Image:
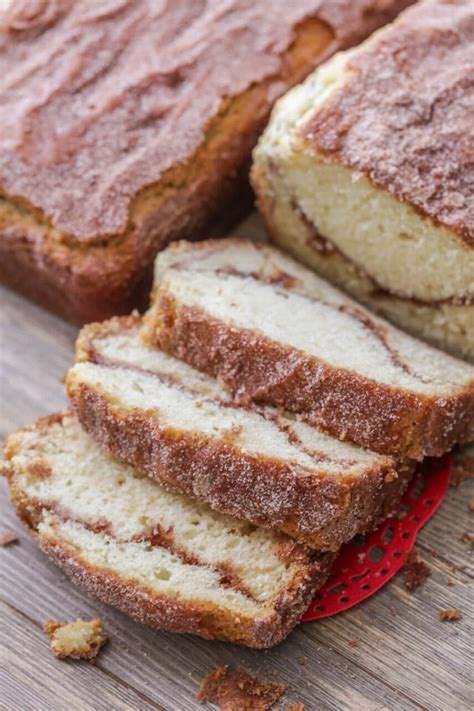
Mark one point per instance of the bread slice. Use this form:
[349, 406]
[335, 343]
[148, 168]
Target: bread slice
[182, 429]
[277, 333]
[165, 560]
[365, 173]
[120, 131]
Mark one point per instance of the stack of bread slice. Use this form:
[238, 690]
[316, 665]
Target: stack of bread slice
[219, 451]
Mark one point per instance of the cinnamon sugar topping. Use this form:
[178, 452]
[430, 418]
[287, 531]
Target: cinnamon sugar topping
[405, 113]
[235, 689]
[95, 94]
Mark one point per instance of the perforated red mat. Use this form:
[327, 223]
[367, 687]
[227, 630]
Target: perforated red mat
[368, 562]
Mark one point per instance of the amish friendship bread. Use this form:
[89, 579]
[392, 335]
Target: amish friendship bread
[120, 131]
[365, 173]
[276, 333]
[165, 560]
[181, 428]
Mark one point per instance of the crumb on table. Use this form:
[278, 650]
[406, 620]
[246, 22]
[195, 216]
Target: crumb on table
[468, 538]
[415, 571]
[449, 615]
[7, 538]
[81, 639]
[235, 689]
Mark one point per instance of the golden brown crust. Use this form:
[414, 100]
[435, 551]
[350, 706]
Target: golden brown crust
[374, 415]
[90, 283]
[204, 194]
[322, 514]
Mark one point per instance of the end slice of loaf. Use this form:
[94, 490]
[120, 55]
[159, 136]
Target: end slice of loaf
[277, 333]
[163, 559]
[182, 428]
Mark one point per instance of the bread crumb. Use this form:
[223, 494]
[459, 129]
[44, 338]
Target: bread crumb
[231, 690]
[295, 707]
[468, 538]
[81, 639]
[302, 660]
[471, 505]
[353, 643]
[415, 571]
[7, 538]
[451, 581]
[449, 615]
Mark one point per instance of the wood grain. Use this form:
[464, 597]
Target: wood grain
[46, 682]
[391, 652]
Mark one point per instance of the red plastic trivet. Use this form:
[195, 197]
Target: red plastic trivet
[368, 562]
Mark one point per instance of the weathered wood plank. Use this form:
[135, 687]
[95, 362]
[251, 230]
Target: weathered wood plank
[32, 679]
[442, 536]
[36, 349]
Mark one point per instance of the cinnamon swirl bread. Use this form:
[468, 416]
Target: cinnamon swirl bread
[277, 333]
[165, 560]
[366, 173]
[182, 429]
[125, 124]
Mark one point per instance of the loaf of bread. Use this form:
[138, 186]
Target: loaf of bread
[163, 559]
[366, 173]
[182, 429]
[276, 333]
[129, 123]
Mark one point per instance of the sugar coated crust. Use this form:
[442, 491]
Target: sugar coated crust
[145, 605]
[93, 181]
[322, 510]
[375, 415]
[405, 113]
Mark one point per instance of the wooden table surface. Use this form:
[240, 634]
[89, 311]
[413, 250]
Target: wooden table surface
[390, 652]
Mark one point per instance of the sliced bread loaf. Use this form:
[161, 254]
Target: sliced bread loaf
[276, 333]
[165, 560]
[182, 428]
[366, 173]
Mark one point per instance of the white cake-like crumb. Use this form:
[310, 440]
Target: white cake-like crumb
[82, 639]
